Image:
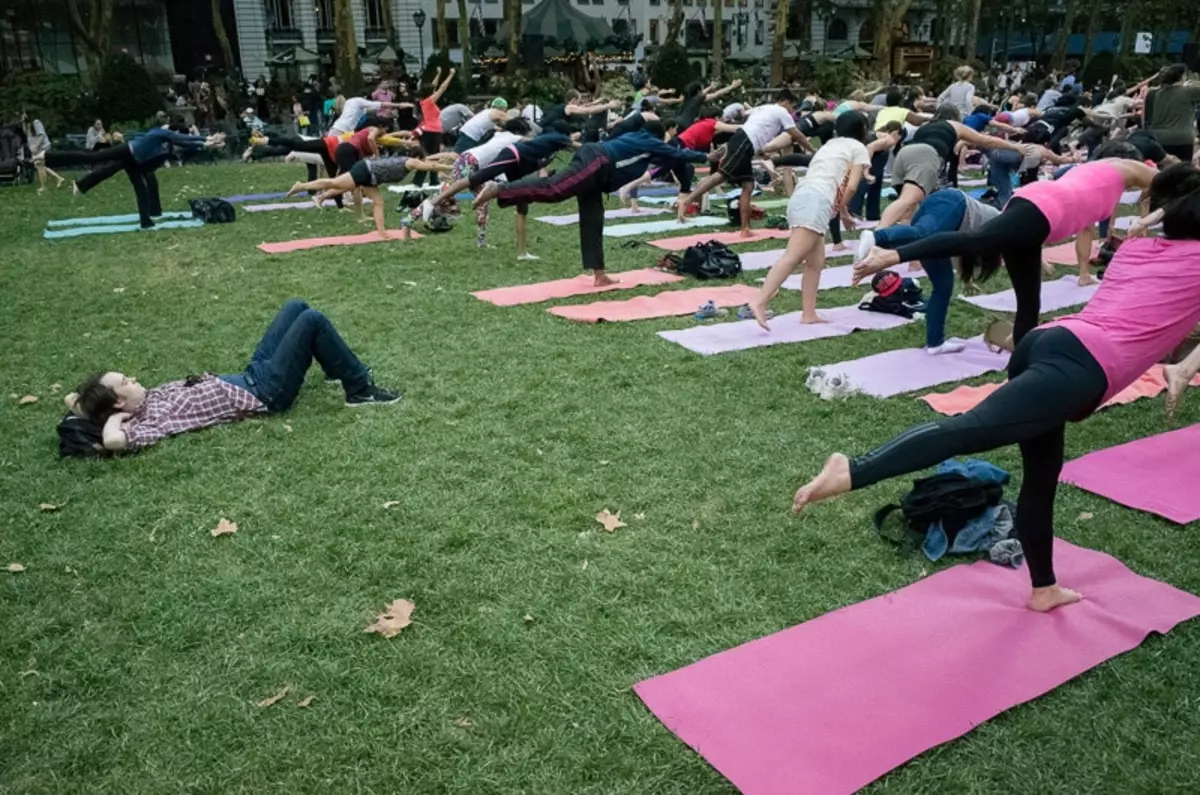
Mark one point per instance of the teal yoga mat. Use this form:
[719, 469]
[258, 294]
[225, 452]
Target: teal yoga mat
[103, 220]
[109, 229]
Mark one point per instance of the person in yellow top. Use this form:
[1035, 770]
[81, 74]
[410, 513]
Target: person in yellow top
[871, 191]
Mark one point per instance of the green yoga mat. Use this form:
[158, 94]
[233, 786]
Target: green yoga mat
[110, 229]
[103, 220]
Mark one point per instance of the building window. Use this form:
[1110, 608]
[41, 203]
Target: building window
[655, 2]
[374, 13]
[451, 34]
[837, 30]
[758, 33]
[279, 15]
[654, 31]
[324, 9]
[489, 26]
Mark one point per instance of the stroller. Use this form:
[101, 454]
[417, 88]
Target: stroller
[14, 163]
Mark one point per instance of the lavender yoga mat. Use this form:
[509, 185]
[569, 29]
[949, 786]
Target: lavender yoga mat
[746, 334]
[1125, 221]
[763, 260]
[294, 205]
[841, 276]
[832, 704]
[908, 369]
[1157, 474]
[609, 215]
[671, 225]
[1058, 294]
[255, 197]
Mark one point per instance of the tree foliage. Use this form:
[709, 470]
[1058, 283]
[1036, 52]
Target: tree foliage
[671, 68]
[126, 92]
[456, 91]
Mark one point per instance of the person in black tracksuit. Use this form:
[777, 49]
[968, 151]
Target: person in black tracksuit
[595, 170]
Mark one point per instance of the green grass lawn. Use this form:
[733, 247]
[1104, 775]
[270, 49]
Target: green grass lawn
[133, 647]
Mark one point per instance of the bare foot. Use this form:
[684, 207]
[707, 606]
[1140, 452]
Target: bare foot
[1177, 382]
[603, 280]
[914, 266]
[745, 234]
[489, 191]
[1043, 600]
[833, 480]
[634, 209]
[840, 246]
[759, 308]
[1086, 279]
[293, 191]
[1048, 268]
[809, 320]
[623, 195]
[61, 180]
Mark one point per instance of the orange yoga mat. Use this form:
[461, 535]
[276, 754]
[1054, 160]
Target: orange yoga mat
[728, 238]
[288, 246]
[579, 285]
[1150, 384]
[665, 304]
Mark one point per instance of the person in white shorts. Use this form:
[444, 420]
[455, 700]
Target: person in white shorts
[832, 178]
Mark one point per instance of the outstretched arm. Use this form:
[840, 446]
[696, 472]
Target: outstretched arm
[709, 96]
[437, 95]
[982, 141]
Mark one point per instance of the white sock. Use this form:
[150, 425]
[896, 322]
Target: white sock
[949, 346]
[866, 242]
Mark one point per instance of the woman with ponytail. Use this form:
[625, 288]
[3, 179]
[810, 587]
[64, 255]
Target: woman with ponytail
[1060, 373]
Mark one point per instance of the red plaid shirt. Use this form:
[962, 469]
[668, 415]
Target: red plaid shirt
[176, 407]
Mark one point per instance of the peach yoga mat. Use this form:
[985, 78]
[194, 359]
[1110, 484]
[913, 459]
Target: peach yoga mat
[664, 304]
[288, 246]
[564, 288]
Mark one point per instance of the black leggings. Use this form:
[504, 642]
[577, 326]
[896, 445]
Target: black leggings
[1017, 234]
[282, 144]
[431, 144]
[1053, 380]
[1182, 151]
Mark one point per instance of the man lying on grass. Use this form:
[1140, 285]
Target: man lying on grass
[133, 417]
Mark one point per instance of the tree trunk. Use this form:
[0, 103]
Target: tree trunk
[222, 35]
[1093, 28]
[972, 35]
[443, 42]
[1125, 45]
[718, 53]
[675, 23]
[464, 43]
[94, 32]
[941, 41]
[886, 16]
[346, 51]
[513, 16]
[389, 24]
[1059, 59]
[778, 41]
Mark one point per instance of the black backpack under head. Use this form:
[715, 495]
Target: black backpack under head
[79, 437]
[213, 211]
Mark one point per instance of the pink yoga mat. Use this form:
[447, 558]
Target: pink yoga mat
[579, 285]
[1057, 294]
[609, 215]
[909, 369]
[728, 238]
[288, 246]
[744, 334]
[832, 704]
[1064, 254]
[1157, 474]
[665, 304]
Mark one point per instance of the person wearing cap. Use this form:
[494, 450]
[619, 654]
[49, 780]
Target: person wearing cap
[473, 130]
[252, 121]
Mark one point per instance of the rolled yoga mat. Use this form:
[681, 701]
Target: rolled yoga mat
[909, 369]
[654, 227]
[832, 704]
[1057, 294]
[565, 288]
[112, 229]
[102, 220]
[745, 334]
[664, 304]
[1157, 474]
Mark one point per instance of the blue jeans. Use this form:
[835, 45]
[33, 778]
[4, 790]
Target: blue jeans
[1002, 164]
[942, 211]
[871, 192]
[297, 336]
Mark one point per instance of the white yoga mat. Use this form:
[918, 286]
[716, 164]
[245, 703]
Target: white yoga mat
[609, 215]
[841, 275]
[745, 334]
[653, 227]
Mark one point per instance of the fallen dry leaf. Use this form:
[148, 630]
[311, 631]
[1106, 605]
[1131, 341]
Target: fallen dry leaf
[585, 564]
[25, 401]
[604, 463]
[287, 427]
[611, 521]
[1083, 517]
[275, 699]
[224, 528]
[54, 388]
[47, 506]
[24, 674]
[695, 524]
[118, 289]
[391, 503]
[639, 516]
[15, 568]
[464, 722]
[305, 702]
[397, 616]
[528, 619]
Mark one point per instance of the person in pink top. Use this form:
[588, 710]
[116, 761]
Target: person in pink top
[1038, 214]
[430, 129]
[1060, 373]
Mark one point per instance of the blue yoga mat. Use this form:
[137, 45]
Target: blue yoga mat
[101, 220]
[79, 231]
[657, 190]
[255, 197]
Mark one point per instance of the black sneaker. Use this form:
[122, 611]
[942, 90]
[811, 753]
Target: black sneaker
[373, 396]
